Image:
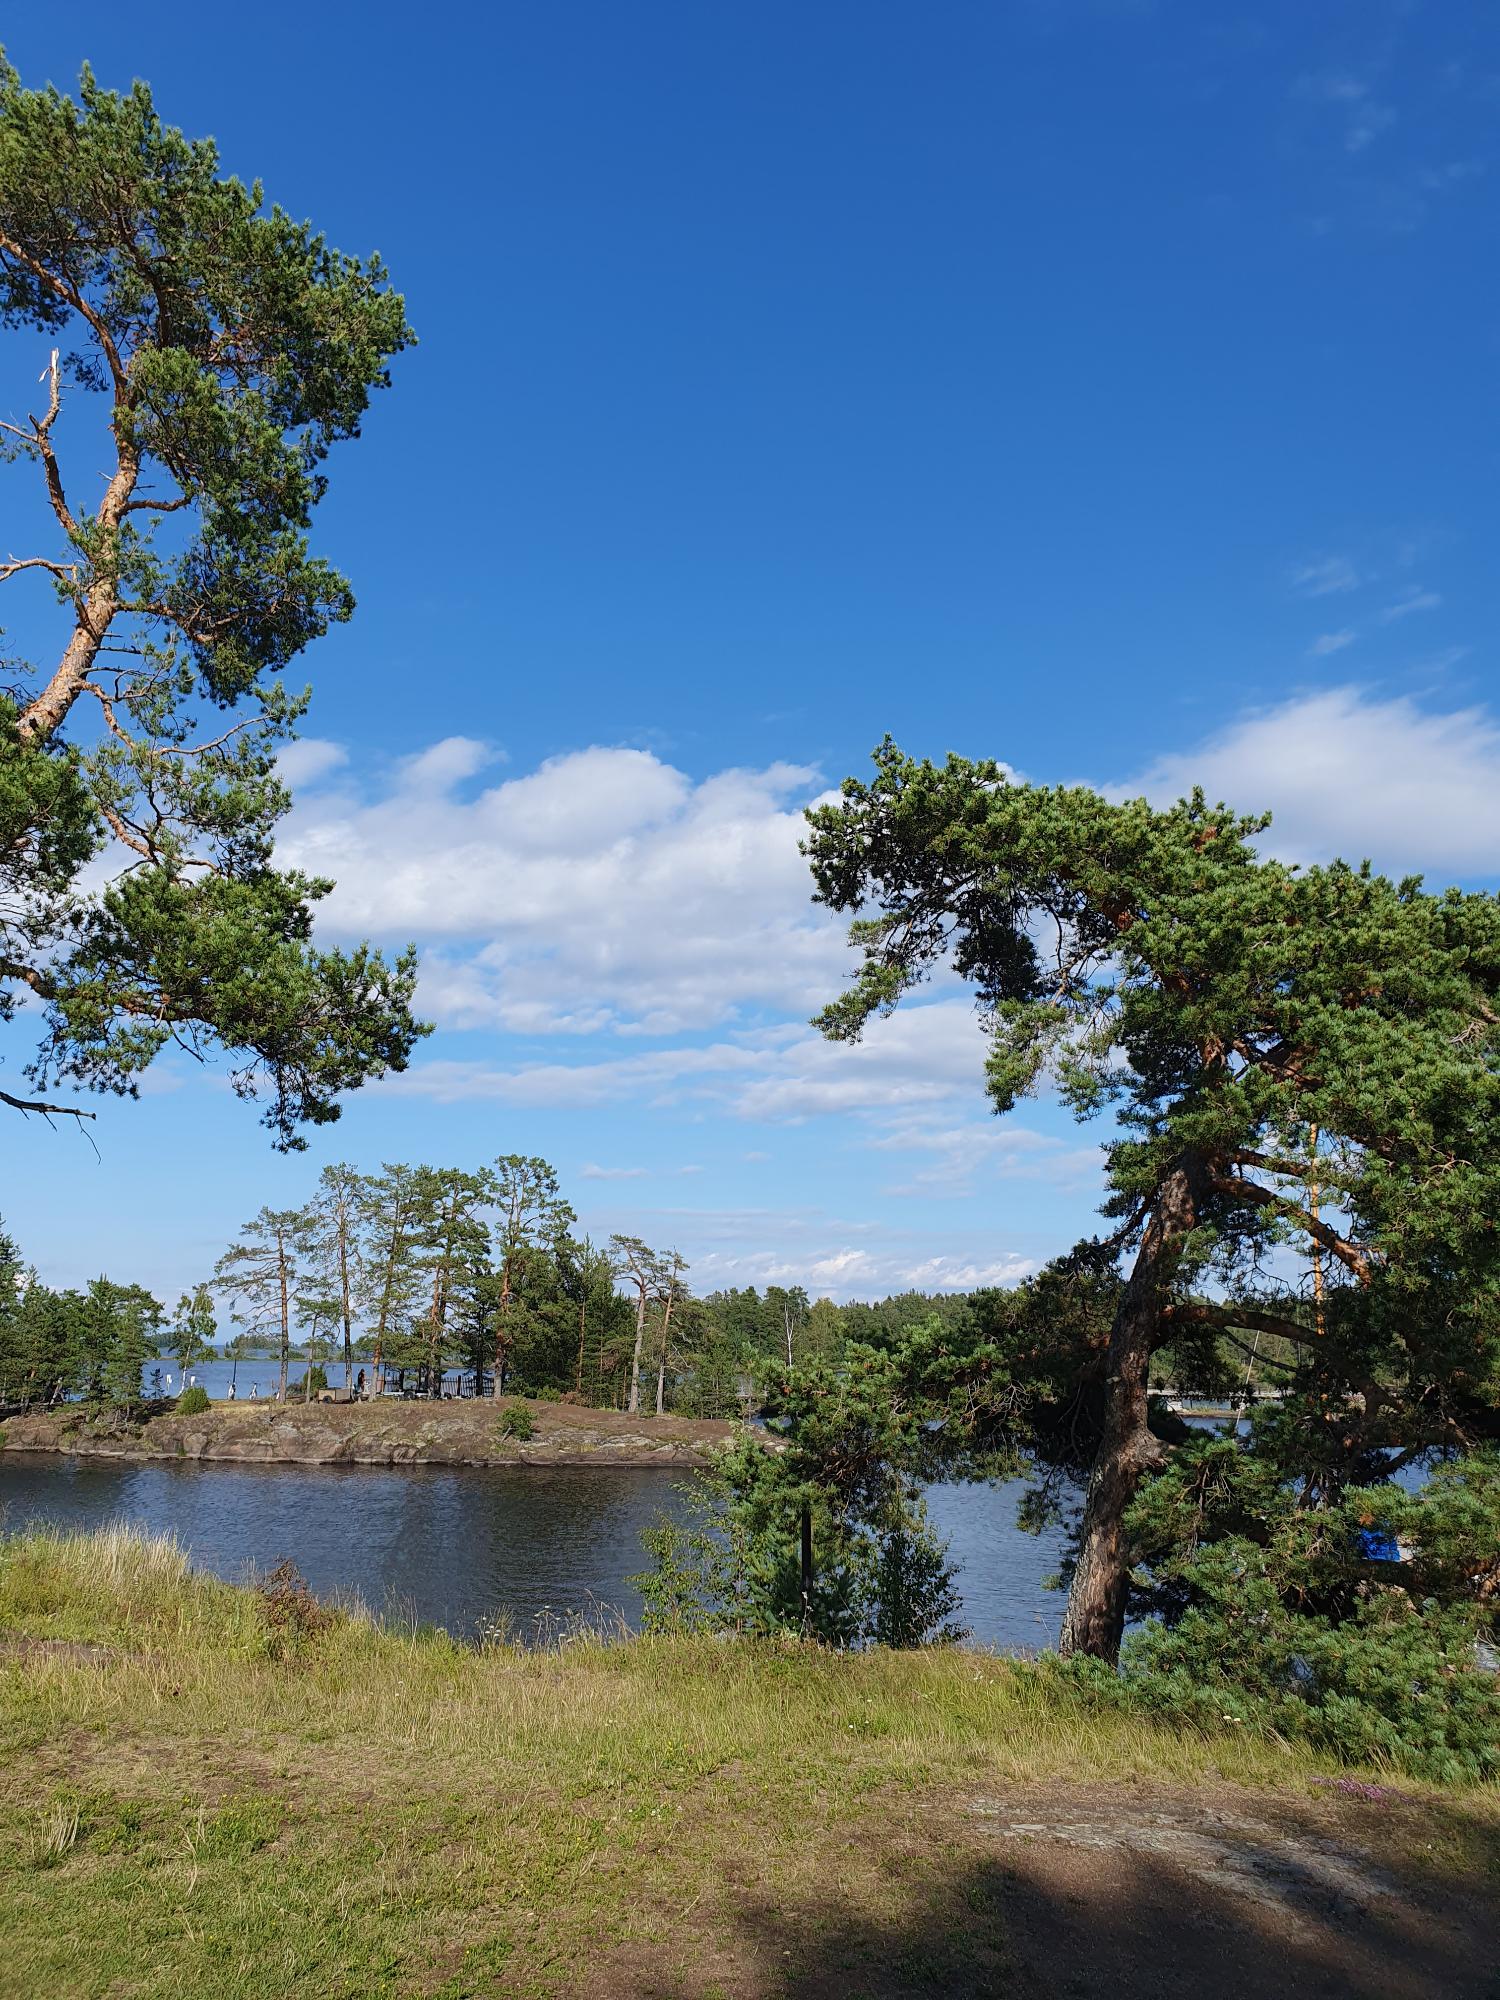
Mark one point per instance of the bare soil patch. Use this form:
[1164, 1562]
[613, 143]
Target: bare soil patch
[1069, 1893]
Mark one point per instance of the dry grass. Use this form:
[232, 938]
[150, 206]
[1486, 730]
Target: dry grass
[229, 1807]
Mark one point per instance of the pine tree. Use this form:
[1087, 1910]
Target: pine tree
[227, 350]
[262, 1274]
[390, 1219]
[1300, 1061]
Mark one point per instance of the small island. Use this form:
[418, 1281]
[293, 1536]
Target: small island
[386, 1432]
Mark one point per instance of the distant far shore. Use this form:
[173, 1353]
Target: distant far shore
[376, 1433]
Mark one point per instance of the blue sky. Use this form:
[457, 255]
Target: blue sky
[1109, 388]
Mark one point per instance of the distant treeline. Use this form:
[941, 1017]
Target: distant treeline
[436, 1275]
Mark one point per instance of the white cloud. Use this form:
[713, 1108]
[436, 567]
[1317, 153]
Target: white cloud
[831, 1255]
[661, 1076]
[920, 1056]
[1324, 576]
[445, 764]
[1331, 642]
[1347, 773]
[307, 761]
[845, 1271]
[1415, 599]
[607, 893]
[917, 1056]
[958, 1274]
[592, 1173]
[605, 890]
[1366, 125]
[960, 1157]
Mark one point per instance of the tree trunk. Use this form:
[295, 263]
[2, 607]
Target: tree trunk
[1095, 1617]
[46, 713]
[437, 1319]
[635, 1360]
[582, 1333]
[502, 1349]
[43, 715]
[286, 1330]
[661, 1359]
[348, 1317]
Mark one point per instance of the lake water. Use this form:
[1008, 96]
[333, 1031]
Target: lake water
[458, 1545]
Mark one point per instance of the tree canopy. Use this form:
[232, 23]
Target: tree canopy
[215, 351]
[1302, 1064]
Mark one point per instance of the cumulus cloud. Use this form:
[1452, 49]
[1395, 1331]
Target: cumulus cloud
[849, 1271]
[610, 895]
[1349, 773]
[831, 1255]
[308, 761]
[917, 1056]
[605, 890]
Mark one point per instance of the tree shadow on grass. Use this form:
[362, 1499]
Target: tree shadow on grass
[1087, 1925]
[1107, 1894]
[1137, 1931]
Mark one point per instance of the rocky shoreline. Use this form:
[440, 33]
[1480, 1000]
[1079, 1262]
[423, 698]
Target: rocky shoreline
[383, 1433]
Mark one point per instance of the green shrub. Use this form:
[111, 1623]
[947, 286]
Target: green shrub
[517, 1422]
[193, 1401]
[734, 1563]
[1287, 1618]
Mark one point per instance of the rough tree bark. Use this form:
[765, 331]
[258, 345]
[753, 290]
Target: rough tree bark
[1095, 1617]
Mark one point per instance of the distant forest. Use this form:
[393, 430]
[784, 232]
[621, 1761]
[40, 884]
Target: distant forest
[429, 1276]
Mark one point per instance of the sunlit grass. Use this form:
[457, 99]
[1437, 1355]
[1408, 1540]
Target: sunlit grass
[220, 1807]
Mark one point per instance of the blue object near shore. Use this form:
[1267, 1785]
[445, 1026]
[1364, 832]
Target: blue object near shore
[1378, 1546]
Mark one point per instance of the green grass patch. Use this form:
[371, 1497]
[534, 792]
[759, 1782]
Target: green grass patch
[232, 1802]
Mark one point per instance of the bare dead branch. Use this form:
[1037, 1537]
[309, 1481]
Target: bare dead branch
[64, 572]
[42, 1108]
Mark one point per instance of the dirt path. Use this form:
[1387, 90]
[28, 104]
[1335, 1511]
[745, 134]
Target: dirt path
[1111, 1894]
[1185, 1895]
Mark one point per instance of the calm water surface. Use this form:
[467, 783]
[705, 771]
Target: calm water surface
[456, 1545]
